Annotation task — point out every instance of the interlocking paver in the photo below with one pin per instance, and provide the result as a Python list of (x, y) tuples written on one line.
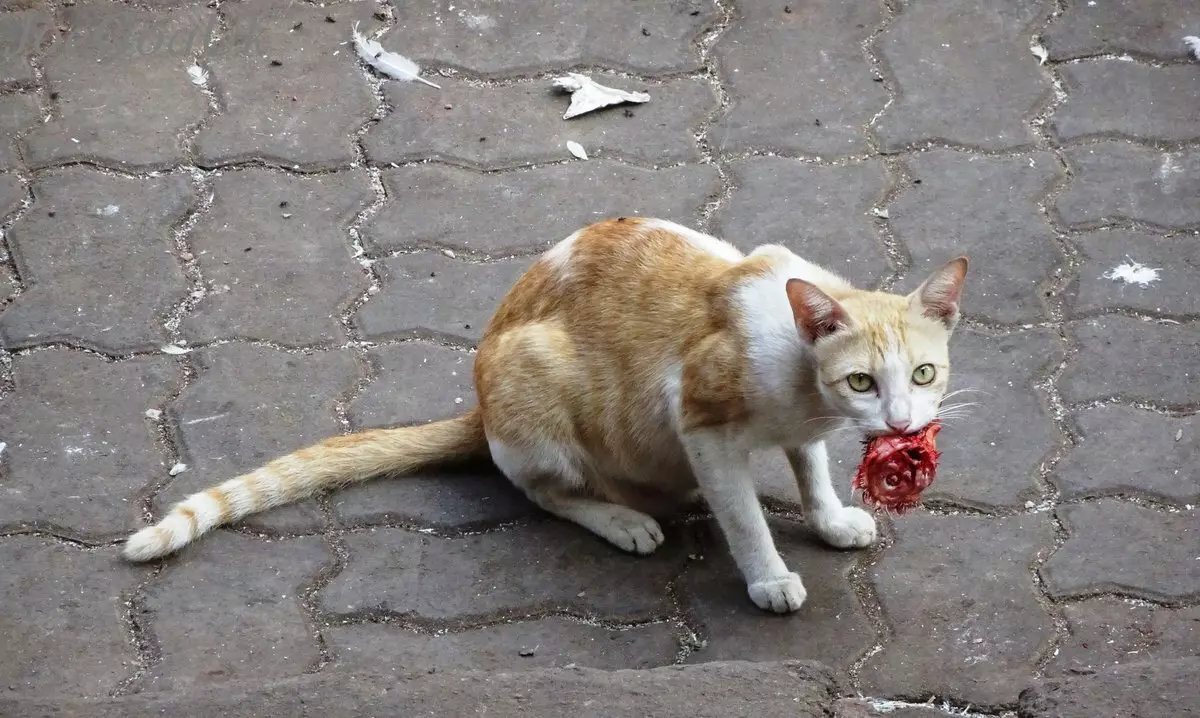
[(518, 125), (1161, 102), (420, 382), (1175, 291), (275, 252), (1116, 181), (225, 431), (563, 568), (75, 642), (832, 628), (233, 611), (505, 40), (1116, 546), (1150, 27), (11, 195), (21, 34), (986, 208), (812, 92), (1146, 688), (1106, 632), (990, 457), (95, 253), (17, 112), (1124, 450), (819, 212), (959, 595), (534, 208), (430, 292), (79, 449), (540, 643), (103, 113), (986, 84), (290, 87), (1133, 359)]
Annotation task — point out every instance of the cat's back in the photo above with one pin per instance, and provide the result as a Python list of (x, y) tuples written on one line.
[(631, 269)]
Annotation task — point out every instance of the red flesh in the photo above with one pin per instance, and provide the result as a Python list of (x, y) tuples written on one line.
[(896, 468)]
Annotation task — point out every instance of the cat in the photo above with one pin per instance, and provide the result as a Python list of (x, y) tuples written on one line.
[(639, 361)]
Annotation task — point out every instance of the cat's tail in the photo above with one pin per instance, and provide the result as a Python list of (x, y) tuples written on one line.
[(332, 463)]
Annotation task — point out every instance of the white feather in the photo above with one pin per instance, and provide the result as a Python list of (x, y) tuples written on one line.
[(392, 64), (1193, 44), (576, 149), (198, 75)]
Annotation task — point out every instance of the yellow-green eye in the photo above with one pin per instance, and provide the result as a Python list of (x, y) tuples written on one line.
[(923, 374), (860, 382)]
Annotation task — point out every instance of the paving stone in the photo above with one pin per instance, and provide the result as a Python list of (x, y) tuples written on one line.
[(856, 708), (100, 114), (275, 251), (17, 112), (1106, 632), (95, 254), (1161, 102), (1148, 688), (563, 568), (829, 628), (796, 689), (990, 458), (52, 595), (79, 449), (824, 97), (415, 383), (303, 110), (518, 125), (21, 34), (1114, 181), (1132, 359), (249, 406), (986, 208), (522, 38), (820, 212), (1114, 546), (1176, 291), (229, 608), (1124, 450), (985, 86), (432, 293), (958, 594), (549, 643), (1148, 27), (12, 193), (540, 206)]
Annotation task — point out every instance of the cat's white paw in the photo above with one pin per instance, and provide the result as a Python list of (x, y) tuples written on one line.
[(782, 594), (845, 527), (634, 532)]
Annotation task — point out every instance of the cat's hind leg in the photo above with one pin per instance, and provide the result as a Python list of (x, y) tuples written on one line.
[(553, 480)]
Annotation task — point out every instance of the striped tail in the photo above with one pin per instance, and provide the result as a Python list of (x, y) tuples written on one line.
[(330, 464)]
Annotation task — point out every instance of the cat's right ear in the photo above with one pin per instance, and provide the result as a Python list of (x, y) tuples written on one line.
[(817, 314)]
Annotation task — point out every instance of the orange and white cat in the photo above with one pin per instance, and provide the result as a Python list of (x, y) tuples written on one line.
[(638, 360)]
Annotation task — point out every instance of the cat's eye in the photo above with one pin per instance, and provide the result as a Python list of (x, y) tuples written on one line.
[(923, 374), (860, 382)]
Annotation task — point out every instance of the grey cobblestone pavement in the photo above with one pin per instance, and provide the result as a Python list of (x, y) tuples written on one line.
[(326, 246)]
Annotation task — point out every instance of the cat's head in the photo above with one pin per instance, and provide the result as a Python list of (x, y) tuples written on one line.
[(882, 359)]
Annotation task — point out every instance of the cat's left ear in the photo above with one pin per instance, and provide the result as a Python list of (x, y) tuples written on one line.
[(938, 297)]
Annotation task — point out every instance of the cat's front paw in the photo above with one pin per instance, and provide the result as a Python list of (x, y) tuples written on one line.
[(845, 527), (782, 594)]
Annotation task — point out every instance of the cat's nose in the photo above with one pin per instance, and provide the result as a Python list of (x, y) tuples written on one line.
[(899, 426)]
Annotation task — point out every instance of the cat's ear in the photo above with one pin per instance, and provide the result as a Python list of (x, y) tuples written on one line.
[(938, 297), (817, 314)]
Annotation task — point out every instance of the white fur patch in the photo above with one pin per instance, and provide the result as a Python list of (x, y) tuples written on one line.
[(699, 240), (558, 257)]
